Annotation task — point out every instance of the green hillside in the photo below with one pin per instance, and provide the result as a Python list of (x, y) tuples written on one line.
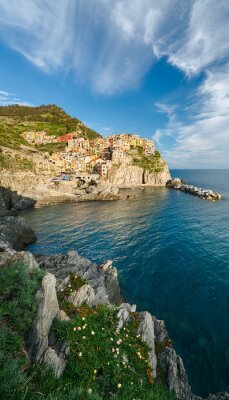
[(15, 119)]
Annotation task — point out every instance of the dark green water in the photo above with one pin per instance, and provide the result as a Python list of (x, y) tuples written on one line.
[(172, 253)]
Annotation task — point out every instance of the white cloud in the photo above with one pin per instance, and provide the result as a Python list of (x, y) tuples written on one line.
[(111, 44), (7, 98), (203, 41), (107, 44), (204, 141)]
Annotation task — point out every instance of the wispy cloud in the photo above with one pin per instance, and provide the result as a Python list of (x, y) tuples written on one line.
[(7, 98), (111, 45), (204, 140)]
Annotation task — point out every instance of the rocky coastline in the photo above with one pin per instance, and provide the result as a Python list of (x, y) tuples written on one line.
[(41, 191), (101, 287), (205, 194)]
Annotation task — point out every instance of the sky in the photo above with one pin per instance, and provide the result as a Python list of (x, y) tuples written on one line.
[(158, 68)]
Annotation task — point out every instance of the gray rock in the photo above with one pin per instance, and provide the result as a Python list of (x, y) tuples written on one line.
[(15, 232), (102, 279), (146, 330), (8, 256), (11, 202), (27, 259), (219, 396), (124, 313), (111, 282), (159, 330), (176, 378), (62, 316), (85, 294), (55, 362), (47, 309)]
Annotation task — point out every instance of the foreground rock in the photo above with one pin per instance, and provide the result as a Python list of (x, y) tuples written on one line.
[(101, 287), (47, 309), (205, 194), (103, 278)]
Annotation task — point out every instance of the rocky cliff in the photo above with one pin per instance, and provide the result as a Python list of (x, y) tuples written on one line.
[(42, 192), (69, 283), (125, 176)]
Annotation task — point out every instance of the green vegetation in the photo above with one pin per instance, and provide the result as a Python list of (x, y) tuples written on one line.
[(154, 163), (17, 290), (51, 147), (15, 163), (104, 362), (15, 119), (75, 283)]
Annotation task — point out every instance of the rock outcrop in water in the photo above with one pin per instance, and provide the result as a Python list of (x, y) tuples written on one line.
[(205, 194)]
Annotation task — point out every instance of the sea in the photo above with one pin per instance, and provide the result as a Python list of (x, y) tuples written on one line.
[(171, 250)]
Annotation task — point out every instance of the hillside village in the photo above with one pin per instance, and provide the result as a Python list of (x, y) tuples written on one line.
[(94, 156)]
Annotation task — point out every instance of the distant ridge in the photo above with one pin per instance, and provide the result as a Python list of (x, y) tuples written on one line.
[(15, 119)]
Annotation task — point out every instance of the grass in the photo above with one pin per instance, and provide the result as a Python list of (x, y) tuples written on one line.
[(103, 362), (16, 163), (108, 362), (51, 147), (17, 308)]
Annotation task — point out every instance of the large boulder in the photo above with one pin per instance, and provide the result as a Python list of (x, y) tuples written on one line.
[(175, 374), (8, 256), (47, 309), (146, 330), (15, 232)]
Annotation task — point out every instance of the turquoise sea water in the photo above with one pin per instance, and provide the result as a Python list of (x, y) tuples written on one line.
[(172, 253)]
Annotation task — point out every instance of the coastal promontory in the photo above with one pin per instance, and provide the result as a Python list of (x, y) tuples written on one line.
[(50, 157)]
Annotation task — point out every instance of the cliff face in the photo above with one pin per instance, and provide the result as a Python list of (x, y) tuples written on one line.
[(37, 187), (130, 175), (100, 286)]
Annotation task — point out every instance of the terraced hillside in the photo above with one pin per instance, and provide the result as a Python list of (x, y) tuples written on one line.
[(15, 119)]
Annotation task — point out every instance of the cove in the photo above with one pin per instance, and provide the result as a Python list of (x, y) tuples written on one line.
[(172, 253)]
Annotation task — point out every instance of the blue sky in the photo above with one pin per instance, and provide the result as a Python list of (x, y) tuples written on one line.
[(159, 68)]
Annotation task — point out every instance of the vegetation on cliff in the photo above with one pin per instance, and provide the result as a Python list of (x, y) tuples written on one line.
[(15, 119), (154, 163), (16, 163), (103, 361)]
